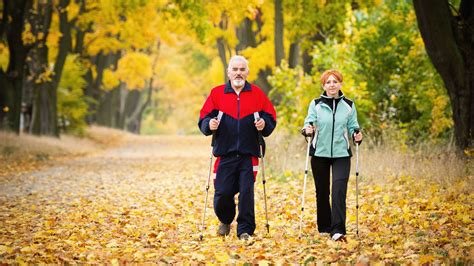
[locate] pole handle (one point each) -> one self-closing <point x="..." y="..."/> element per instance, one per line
<point x="356" y="131"/>
<point x="213" y="141"/>
<point x="260" y="137"/>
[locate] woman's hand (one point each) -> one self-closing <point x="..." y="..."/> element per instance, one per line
<point x="358" y="136"/>
<point x="309" y="130"/>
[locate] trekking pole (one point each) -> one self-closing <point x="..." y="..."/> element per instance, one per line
<point x="304" y="182"/>
<point x="219" y="116"/>
<point x="357" y="183"/>
<point x="207" y="186"/>
<point x="260" y="140"/>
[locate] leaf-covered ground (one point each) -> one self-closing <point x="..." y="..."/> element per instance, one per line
<point x="143" y="202"/>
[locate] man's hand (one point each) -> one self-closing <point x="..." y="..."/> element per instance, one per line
<point x="213" y="124"/>
<point x="259" y="124"/>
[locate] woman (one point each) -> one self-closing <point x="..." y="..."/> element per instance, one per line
<point x="331" y="119"/>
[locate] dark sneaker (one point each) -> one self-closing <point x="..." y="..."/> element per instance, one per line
<point x="244" y="237"/>
<point x="224" y="229"/>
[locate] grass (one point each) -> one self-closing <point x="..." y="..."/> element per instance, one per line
<point x="434" y="162"/>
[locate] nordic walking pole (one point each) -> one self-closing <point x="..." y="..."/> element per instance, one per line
<point x="207" y="186"/>
<point x="304" y="183"/>
<point x="260" y="140"/>
<point x="357" y="183"/>
<point x="219" y="116"/>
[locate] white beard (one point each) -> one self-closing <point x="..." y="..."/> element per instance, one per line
<point x="238" y="83"/>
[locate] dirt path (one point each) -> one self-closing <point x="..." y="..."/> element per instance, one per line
<point x="143" y="165"/>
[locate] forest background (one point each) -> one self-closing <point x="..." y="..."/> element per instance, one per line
<point x="146" y="67"/>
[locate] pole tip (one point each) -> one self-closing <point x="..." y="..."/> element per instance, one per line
<point x="200" y="238"/>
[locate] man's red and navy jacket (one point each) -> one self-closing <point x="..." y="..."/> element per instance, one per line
<point x="237" y="133"/>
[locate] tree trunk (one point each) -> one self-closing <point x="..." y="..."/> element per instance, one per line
<point x="279" y="48"/>
<point x="44" y="120"/>
<point x="65" y="42"/>
<point x="12" y="79"/>
<point x="449" y="42"/>
<point x="262" y="81"/>
<point x="294" y="54"/>
<point x="221" y="45"/>
<point x="245" y="35"/>
<point x="80" y="33"/>
<point x="93" y="89"/>
<point x="107" y="108"/>
<point x="132" y="104"/>
<point x="45" y="116"/>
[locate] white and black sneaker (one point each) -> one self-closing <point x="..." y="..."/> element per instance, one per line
<point x="339" y="237"/>
<point x="324" y="234"/>
<point x="244" y="237"/>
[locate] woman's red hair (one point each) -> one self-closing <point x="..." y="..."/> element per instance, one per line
<point x="325" y="76"/>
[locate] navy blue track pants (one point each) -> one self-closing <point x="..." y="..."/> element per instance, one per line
<point x="235" y="175"/>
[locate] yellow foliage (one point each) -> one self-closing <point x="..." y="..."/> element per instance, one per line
<point x="72" y="10"/>
<point x="216" y="72"/>
<point x="134" y="69"/>
<point x="110" y="79"/>
<point x="4" y="56"/>
<point x="259" y="58"/>
<point x="440" y="121"/>
<point x="45" y="76"/>
<point x="99" y="44"/>
<point x="27" y="36"/>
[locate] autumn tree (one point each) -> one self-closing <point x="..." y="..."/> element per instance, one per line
<point x="44" y="79"/>
<point x="12" y="25"/>
<point x="449" y="42"/>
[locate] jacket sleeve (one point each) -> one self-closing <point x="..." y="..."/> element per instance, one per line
<point x="311" y="116"/>
<point x="208" y="111"/>
<point x="268" y="114"/>
<point x="352" y="123"/>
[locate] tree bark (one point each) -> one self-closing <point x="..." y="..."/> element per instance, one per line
<point x="245" y="35"/>
<point x="44" y="120"/>
<point x="221" y="45"/>
<point x="45" y="115"/>
<point x="449" y="42"/>
<point x="294" y="54"/>
<point x="12" y="79"/>
<point x="93" y="88"/>
<point x="279" y="48"/>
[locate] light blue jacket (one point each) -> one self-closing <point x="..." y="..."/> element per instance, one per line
<point x="333" y="130"/>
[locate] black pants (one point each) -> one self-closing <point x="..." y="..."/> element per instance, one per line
<point x="331" y="219"/>
<point x="235" y="175"/>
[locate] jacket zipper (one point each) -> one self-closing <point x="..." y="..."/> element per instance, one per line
<point x="333" y="122"/>
<point x="238" y="121"/>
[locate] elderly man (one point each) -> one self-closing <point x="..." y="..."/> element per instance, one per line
<point x="235" y="112"/>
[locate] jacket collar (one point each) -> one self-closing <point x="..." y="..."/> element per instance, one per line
<point x="228" y="88"/>
<point x="329" y="100"/>
<point x="324" y="95"/>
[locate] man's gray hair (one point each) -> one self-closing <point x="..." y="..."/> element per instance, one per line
<point x="238" y="58"/>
